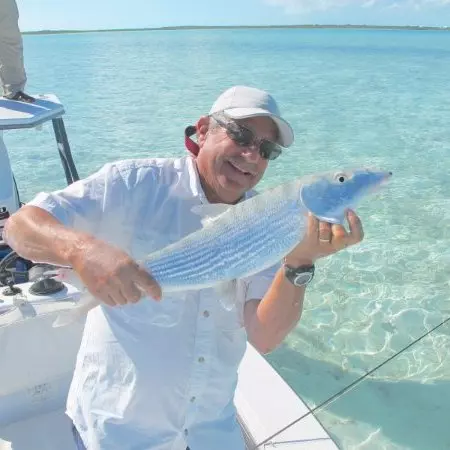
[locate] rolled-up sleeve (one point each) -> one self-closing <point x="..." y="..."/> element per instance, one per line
<point x="253" y="287"/>
<point x="257" y="285"/>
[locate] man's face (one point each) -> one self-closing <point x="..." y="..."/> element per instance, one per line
<point x="228" y="169"/>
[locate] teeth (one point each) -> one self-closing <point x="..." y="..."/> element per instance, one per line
<point x="238" y="168"/>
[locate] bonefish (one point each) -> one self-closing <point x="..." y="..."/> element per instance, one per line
<point x="240" y="240"/>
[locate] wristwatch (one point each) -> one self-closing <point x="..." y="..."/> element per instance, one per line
<point x="299" y="276"/>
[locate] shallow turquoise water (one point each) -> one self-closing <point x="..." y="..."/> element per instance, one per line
<point x="354" y="97"/>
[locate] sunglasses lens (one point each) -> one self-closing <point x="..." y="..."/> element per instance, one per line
<point x="244" y="137"/>
<point x="269" y="150"/>
<point x="241" y="136"/>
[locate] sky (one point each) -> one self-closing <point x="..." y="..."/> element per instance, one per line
<point x="101" y="14"/>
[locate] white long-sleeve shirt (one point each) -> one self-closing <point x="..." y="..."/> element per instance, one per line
<point x="154" y="375"/>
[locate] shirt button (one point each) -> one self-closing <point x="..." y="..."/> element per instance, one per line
<point x="201" y="359"/>
<point x="205" y="313"/>
<point x="193" y="399"/>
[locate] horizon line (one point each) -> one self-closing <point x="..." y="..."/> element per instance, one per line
<point x="200" y="27"/>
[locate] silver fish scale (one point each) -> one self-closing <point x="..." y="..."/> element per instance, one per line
<point x="244" y="240"/>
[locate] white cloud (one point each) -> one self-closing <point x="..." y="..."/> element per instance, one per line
<point x="305" y="6"/>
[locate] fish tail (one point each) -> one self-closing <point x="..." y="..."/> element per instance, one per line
<point x="67" y="317"/>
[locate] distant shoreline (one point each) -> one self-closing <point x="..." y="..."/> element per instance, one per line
<point x="214" y="27"/>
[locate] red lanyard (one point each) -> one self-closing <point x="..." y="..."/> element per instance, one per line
<point x="188" y="142"/>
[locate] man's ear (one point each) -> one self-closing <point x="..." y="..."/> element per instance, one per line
<point x="202" y="129"/>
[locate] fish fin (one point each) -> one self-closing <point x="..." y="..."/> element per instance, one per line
<point x="227" y="292"/>
<point x="210" y="212"/>
<point x="67" y="317"/>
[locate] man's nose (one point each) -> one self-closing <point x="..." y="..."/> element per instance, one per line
<point x="251" y="153"/>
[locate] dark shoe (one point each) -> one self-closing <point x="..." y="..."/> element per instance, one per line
<point x="22" y="97"/>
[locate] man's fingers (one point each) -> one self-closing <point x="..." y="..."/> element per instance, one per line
<point x="103" y="294"/>
<point x="324" y="232"/>
<point x="131" y="293"/>
<point x="356" y="228"/>
<point x="313" y="226"/>
<point x="339" y="232"/>
<point x="107" y="299"/>
<point x="147" y="283"/>
<point x="116" y="296"/>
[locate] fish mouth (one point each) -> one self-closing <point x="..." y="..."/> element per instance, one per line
<point x="384" y="179"/>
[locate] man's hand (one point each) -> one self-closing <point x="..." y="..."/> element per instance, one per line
<point x="323" y="239"/>
<point x="111" y="275"/>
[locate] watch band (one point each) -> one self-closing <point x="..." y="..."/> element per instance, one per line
<point x="299" y="276"/>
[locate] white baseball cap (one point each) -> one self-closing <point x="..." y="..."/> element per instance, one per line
<point x="243" y="102"/>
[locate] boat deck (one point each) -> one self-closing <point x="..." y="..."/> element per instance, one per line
<point x="266" y="404"/>
<point x="15" y="115"/>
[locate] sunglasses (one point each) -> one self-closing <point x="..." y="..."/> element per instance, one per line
<point x="244" y="137"/>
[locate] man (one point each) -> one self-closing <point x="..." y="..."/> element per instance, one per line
<point x="12" y="71"/>
<point x="158" y="373"/>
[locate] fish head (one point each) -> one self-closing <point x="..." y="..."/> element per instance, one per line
<point x="328" y="196"/>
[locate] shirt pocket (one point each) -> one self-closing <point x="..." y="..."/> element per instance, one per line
<point x="164" y="313"/>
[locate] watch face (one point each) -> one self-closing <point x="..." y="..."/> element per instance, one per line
<point x="303" y="278"/>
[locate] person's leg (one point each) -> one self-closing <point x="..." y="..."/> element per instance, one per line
<point x="78" y="442"/>
<point x="12" y="71"/>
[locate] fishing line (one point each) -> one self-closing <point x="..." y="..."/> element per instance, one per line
<point x="351" y="385"/>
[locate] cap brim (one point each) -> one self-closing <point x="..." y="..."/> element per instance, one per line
<point x="285" y="132"/>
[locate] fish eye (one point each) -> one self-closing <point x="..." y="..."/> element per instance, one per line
<point x="341" y="177"/>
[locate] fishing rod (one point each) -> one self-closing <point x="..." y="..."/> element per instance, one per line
<point x="352" y="385"/>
